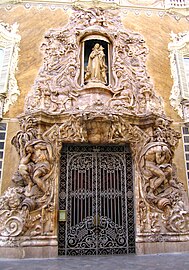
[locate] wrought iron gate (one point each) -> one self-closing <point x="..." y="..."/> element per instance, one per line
<point x="96" y="190"/>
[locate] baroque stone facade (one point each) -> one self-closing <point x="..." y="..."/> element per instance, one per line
<point x="65" y="107"/>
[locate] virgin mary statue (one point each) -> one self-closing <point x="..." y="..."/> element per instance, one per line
<point x="96" y="68"/>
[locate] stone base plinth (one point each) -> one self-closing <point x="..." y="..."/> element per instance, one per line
<point x="93" y="93"/>
<point x="28" y="252"/>
<point x="162" y="247"/>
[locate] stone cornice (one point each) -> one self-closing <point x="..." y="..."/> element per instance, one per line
<point x="157" y="7"/>
<point x="152" y="4"/>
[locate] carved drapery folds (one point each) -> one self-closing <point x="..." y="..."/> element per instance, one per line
<point x="62" y="109"/>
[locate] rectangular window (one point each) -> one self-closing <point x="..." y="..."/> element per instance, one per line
<point x="186" y="140"/>
<point x="1" y="58"/>
<point x="3" y="128"/>
<point x="185" y="133"/>
<point x="186" y="68"/>
<point x="175" y="3"/>
<point x="185" y="130"/>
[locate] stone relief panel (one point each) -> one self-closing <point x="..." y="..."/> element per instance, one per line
<point x="62" y="109"/>
<point x="160" y="188"/>
<point x="27" y="208"/>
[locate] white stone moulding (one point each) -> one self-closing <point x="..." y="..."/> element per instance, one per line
<point x="179" y="98"/>
<point x="9" y="44"/>
<point x="121" y="3"/>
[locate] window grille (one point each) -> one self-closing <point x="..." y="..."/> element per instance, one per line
<point x="176" y="3"/>
<point x="3" y="128"/>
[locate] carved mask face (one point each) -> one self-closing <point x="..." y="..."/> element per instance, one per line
<point x="14" y="201"/>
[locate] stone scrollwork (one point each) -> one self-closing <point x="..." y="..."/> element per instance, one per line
<point x="26" y="208"/>
<point x="11" y="215"/>
<point x="160" y="187"/>
<point x="72" y="130"/>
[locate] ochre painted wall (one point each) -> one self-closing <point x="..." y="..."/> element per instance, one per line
<point x="34" y="23"/>
<point x="156" y="32"/>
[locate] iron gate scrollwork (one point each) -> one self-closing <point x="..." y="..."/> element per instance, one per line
<point x="96" y="189"/>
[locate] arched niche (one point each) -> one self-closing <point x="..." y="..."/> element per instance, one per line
<point x="87" y="46"/>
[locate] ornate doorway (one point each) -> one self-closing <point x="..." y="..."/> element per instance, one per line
<point x="96" y="190"/>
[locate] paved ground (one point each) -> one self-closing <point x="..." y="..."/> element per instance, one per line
<point x="127" y="262"/>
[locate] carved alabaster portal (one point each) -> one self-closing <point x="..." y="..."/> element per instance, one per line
<point x="64" y="108"/>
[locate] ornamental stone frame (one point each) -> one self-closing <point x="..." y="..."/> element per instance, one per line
<point x="9" y="44"/>
<point x="59" y="110"/>
<point x="179" y="99"/>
